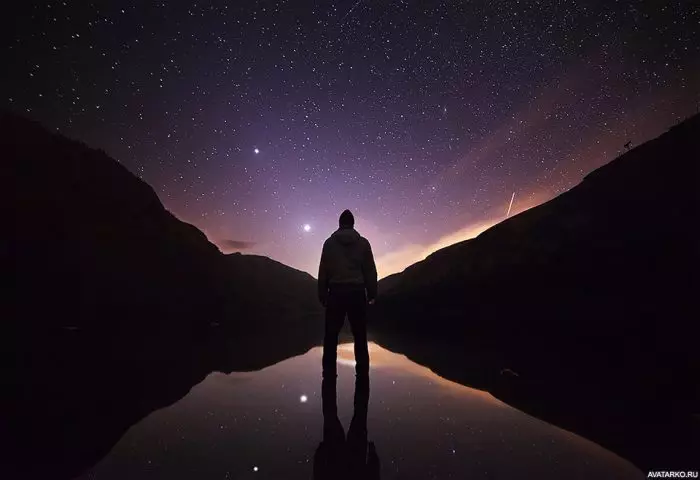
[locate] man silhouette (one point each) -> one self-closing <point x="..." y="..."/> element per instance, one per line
<point x="347" y="280"/>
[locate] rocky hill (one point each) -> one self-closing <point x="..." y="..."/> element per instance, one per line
<point x="583" y="310"/>
<point x="116" y="307"/>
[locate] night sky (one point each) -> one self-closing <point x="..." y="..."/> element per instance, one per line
<point x="254" y="119"/>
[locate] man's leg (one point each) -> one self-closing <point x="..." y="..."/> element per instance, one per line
<point x="335" y="316"/>
<point x="357" y="315"/>
<point x="357" y="434"/>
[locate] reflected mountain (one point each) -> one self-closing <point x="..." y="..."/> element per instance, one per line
<point x="282" y="422"/>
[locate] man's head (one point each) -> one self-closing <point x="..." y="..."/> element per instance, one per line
<point x="346" y="219"/>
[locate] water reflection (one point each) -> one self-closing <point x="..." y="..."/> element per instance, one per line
<point x="281" y="422"/>
<point x="338" y="457"/>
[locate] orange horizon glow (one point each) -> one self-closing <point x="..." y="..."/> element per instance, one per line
<point x="399" y="260"/>
<point x="407" y="255"/>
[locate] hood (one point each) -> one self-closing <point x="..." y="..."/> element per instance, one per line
<point x="346" y="236"/>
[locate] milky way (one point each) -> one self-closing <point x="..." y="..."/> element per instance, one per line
<point x="261" y="122"/>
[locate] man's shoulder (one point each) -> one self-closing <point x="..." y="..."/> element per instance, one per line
<point x="364" y="242"/>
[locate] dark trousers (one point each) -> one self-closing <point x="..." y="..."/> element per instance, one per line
<point x="350" y="300"/>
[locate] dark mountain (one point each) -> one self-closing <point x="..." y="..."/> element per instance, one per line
<point x="116" y="307"/>
<point x="582" y="311"/>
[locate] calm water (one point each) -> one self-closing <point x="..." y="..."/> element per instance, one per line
<point x="268" y="425"/>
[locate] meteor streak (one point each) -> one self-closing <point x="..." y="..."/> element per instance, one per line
<point x="511" y="205"/>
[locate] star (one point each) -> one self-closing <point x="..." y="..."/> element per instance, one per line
<point x="256" y="150"/>
<point x="303" y="399"/>
<point x="307" y="227"/>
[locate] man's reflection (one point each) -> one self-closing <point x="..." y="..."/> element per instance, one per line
<point x="336" y="457"/>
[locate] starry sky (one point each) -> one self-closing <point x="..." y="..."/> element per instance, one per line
<point x="260" y="121"/>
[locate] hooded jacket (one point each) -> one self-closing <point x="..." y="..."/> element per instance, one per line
<point x="347" y="259"/>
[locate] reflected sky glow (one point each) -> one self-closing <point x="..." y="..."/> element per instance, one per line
<point x="423" y="426"/>
<point x="380" y="358"/>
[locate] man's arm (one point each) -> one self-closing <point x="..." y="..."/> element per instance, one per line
<point x="369" y="271"/>
<point x="323" y="277"/>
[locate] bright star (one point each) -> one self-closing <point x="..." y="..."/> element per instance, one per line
<point x="303" y="399"/>
<point x="307" y="227"/>
<point x="255" y="469"/>
<point x="256" y="151"/>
